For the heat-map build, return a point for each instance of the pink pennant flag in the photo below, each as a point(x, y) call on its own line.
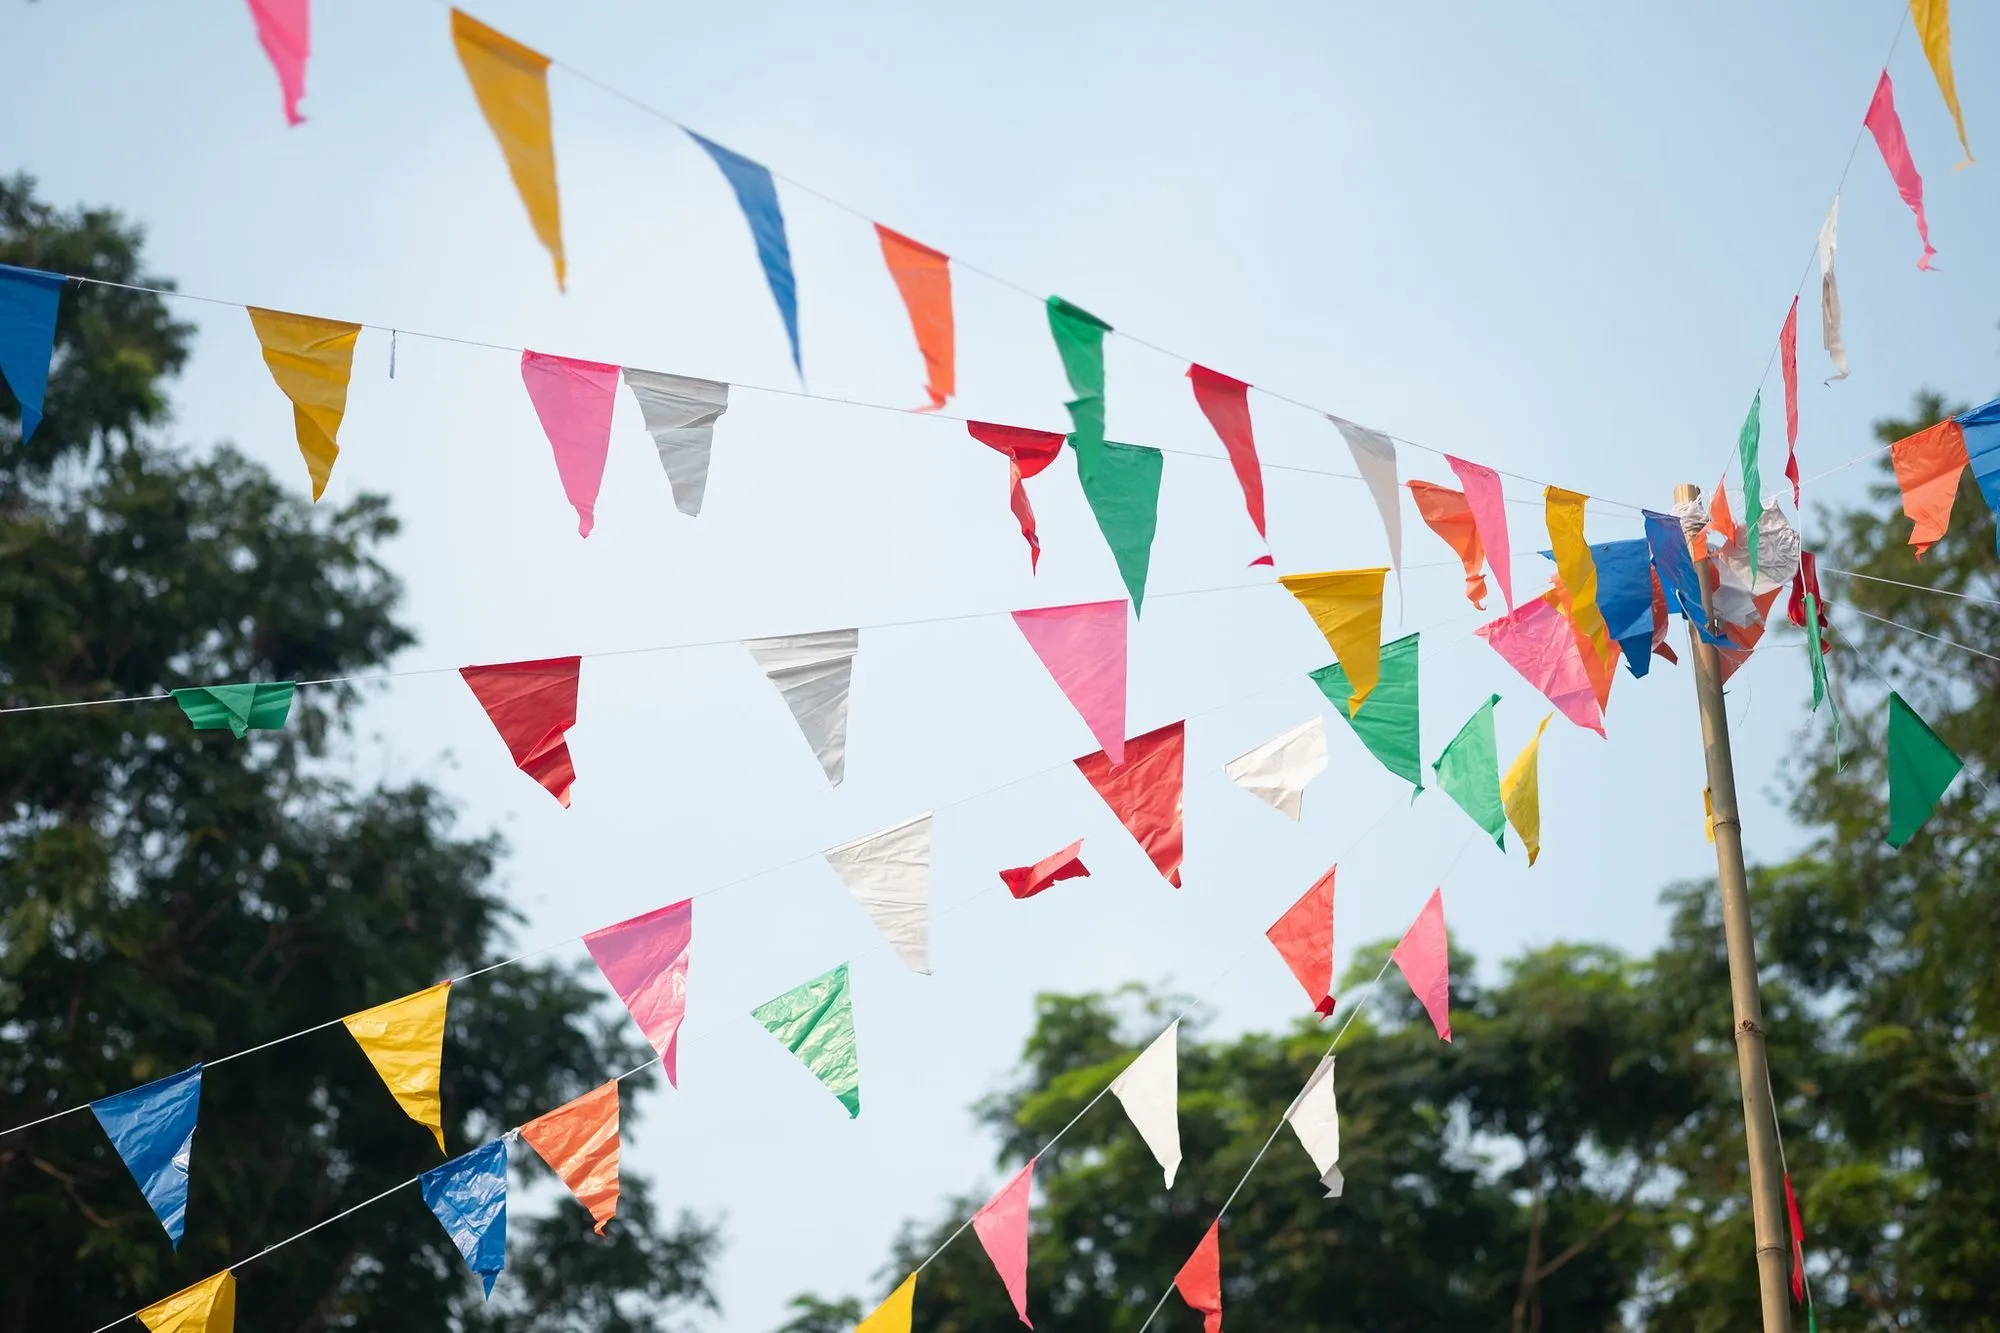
point(1303, 937)
point(1028, 452)
point(1538, 643)
point(1226, 404)
point(1002, 1227)
point(1887, 127)
point(1788, 362)
point(646, 961)
point(284, 29)
point(1083, 646)
point(574, 400)
point(1424, 958)
point(1489, 518)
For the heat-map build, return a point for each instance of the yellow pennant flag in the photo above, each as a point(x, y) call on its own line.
point(1933, 22)
point(892, 1315)
point(209, 1306)
point(404, 1040)
point(1521, 793)
point(1578, 571)
point(1708, 814)
point(1346, 604)
point(512, 85)
point(311, 359)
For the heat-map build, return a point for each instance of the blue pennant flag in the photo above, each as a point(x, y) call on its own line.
point(1678, 575)
point(1625, 597)
point(757, 196)
point(469, 1196)
point(152, 1127)
point(28, 300)
point(1982, 447)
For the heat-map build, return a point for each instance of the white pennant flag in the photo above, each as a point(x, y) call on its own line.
point(680, 415)
point(1829, 293)
point(889, 873)
point(1375, 459)
point(1778, 549)
point(1150, 1091)
point(1316, 1120)
point(812, 673)
point(1277, 771)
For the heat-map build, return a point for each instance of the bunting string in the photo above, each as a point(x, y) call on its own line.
point(1913, 587)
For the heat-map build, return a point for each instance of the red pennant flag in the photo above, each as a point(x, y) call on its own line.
point(1028, 452)
point(1806, 580)
point(532, 705)
point(1788, 360)
point(1002, 1228)
point(1226, 404)
point(1798, 1242)
point(1027, 881)
point(579, 1141)
point(1145, 792)
point(1424, 959)
point(923, 276)
point(1200, 1279)
point(1660, 646)
point(1303, 937)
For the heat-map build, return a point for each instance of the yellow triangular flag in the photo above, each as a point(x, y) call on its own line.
point(892, 1315)
point(1933, 20)
point(511, 82)
point(1521, 793)
point(311, 359)
point(404, 1040)
point(1708, 814)
point(209, 1306)
point(1346, 604)
point(1578, 570)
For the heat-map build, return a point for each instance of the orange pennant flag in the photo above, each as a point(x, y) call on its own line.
point(923, 276)
point(1928, 465)
point(579, 1141)
point(1446, 513)
point(511, 82)
point(1720, 521)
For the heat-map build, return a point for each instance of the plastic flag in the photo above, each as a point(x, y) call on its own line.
point(813, 673)
point(152, 1127)
point(312, 360)
point(815, 1022)
point(757, 195)
point(1981, 429)
point(284, 30)
point(1002, 1228)
point(1446, 513)
point(1079, 337)
point(1028, 452)
point(1921, 770)
point(28, 302)
point(468, 1196)
point(680, 413)
point(923, 279)
point(1424, 958)
point(1315, 1118)
point(1083, 647)
point(532, 705)
point(579, 1141)
point(209, 1306)
point(1536, 641)
point(1375, 459)
point(893, 1315)
point(1226, 404)
point(1200, 1280)
point(1488, 502)
point(1027, 881)
point(1124, 494)
point(1469, 772)
point(1149, 1090)
point(1927, 466)
point(1829, 293)
point(1577, 568)
point(1887, 127)
point(645, 958)
point(889, 874)
point(404, 1040)
point(1303, 937)
point(1278, 771)
point(574, 400)
point(1788, 364)
point(1933, 23)
point(1521, 793)
point(1390, 728)
point(511, 83)
point(262, 706)
point(1145, 792)
point(1346, 604)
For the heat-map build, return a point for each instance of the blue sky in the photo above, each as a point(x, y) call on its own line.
point(1557, 240)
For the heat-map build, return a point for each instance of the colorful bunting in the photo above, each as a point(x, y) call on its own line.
point(1788, 364)
point(152, 1127)
point(1390, 728)
point(680, 413)
point(1124, 494)
point(815, 1022)
point(1469, 773)
point(1675, 567)
point(1829, 293)
point(511, 83)
point(262, 706)
point(1346, 604)
point(1303, 937)
point(757, 195)
point(813, 673)
point(1423, 956)
point(574, 400)
point(532, 705)
point(645, 958)
point(1226, 404)
point(404, 1040)
point(1753, 477)
point(1488, 503)
point(468, 1196)
point(1002, 1228)
point(28, 302)
point(1028, 452)
point(1278, 771)
point(889, 874)
point(1446, 513)
point(1315, 1117)
point(312, 360)
point(1375, 459)
point(1921, 768)
point(1145, 792)
point(1083, 647)
point(284, 30)
point(923, 278)
point(1521, 792)
point(579, 1141)
point(1927, 466)
point(1537, 642)
point(1981, 428)
point(893, 1315)
point(1027, 881)
point(1149, 1090)
point(1625, 598)
point(209, 1306)
point(1079, 339)
point(1933, 24)
point(1887, 127)
point(1200, 1280)
point(1577, 568)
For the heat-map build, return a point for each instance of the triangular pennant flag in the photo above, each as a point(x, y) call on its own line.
point(1149, 1090)
point(1469, 773)
point(1083, 646)
point(1315, 1118)
point(284, 29)
point(262, 706)
point(1423, 956)
point(311, 359)
point(1303, 937)
point(1753, 479)
point(893, 1315)
point(1446, 513)
point(1794, 1222)
point(579, 1141)
point(1226, 404)
point(511, 82)
point(209, 1306)
point(1577, 568)
point(152, 1127)
point(404, 1040)
point(1536, 641)
point(645, 958)
point(923, 278)
point(1788, 365)
point(1829, 293)
point(574, 400)
point(815, 1022)
point(1390, 726)
point(1887, 127)
point(1600, 672)
point(1521, 792)
point(1027, 881)
point(1028, 452)
point(889, 874)
point(1720, 520)
point(1346, 604)
point(1200, 1280)
point(532, 705)
point(1933, 23)
point(1806, 581)
point(1124, 495)
point(1375, 459)
point(28, 302)
point(1488, 503)
point(1145, 792)
point(1625, 597)
point(1002, 1228)
point(1928, 465)
point(1675, 568)
point(757, 196)
point(1779, 550)
point(1981, 428)
point(813, 673)
point(1921, 769)
point(680, 413)
point(1278, 771)
point(1079, 339)
point(468, 1196)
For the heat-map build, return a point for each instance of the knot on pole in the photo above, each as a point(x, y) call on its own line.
point(1748, 1027)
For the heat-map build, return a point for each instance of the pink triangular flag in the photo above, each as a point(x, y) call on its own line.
point(1424, 957)
point(1887, 127)
point(1303, 937)
point(1489, 516)
point(574, 400)
point(284, 29)
point(1083, 646)
point(645, 959)
point(1538, 643)
point(1002, 1227)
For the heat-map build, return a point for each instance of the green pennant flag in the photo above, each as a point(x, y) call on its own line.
point(1753, 479)
point(1921, 767)
point(1469, 773)
point(1124, 493)
point(260, 707)
point(1816, 650)
point(1079, 339)
point(1388, 724)
point(815, 1021)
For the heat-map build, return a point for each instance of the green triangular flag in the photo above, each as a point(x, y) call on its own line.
point(816, 1023)
point(1921, 767)
point(1469, 773)
point(1080, 342)
point(1753, 479)
point(1817, 650)
point(1388, 724)
point(1124, 493)
point(260, 707)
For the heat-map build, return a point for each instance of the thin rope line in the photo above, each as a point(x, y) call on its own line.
point(1889, 685)
point(1907, 629)
point(1914, 587)
point(1842, 467)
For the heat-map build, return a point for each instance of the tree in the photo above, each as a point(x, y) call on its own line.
point(168, 896)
